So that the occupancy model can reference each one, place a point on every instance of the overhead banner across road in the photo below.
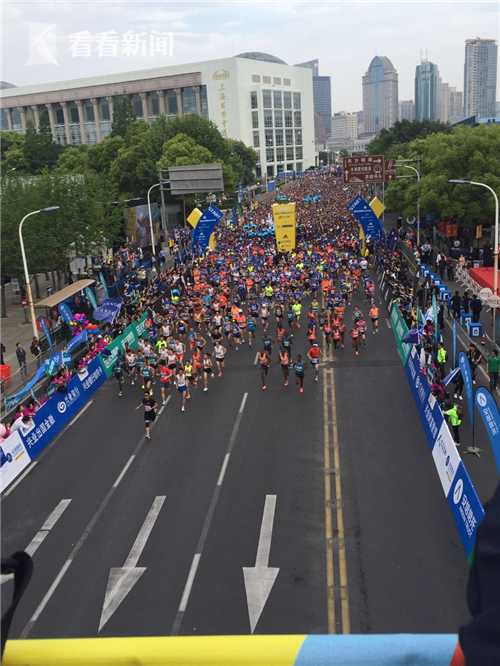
(285, 226)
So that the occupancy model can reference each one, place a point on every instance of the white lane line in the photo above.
(56, 514)
(84, 409)
(256, 358)
(42, 533)
(243, 403)
(18, 481)
(50, 592)
(144, 532)
(388, 323)
(223, 469)
(189, 582)
(124, 470)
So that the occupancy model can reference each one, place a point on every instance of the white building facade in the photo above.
(407, 110)
(480, 77)
(344, 131)
(254, 97)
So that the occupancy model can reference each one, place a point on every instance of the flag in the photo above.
(451, 376)
(413, 336)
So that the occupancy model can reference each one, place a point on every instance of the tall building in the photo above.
(427, 86)
(380, 95)
(254, 97)
(322, 92)
(407, 110)
(444, 101)
(455, 105)
(480, 77)
(344, 131)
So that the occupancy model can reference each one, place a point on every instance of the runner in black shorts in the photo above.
(149, 404)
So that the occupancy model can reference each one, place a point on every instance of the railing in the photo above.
(331, 650)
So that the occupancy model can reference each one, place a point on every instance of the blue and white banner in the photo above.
(108, 310)
(205, 227)
(466, 508)
(454, 342)
(364, 215)
(51, 418)
(216, 212)
(488, 410)
(464, 365)
(13, 459)
(65, 312)
(46, 331)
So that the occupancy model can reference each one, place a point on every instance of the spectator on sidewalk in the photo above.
(441, 358)
(21, 359)
(476, 307)
(450, 269)
(474, 356)
(493, 369)
(2, 352)
(466, 301)
(456, 304)
(36, 351)
(441, 264)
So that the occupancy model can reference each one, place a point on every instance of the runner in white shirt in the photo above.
(220, 353)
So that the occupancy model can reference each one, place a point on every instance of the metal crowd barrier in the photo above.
(305, 650)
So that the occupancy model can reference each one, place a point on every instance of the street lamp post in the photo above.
(151, 218)
(417, 172)
(50, 209)
(495, 249)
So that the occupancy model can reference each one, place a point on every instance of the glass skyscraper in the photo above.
(427, 91)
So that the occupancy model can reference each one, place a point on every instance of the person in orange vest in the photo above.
(355, 339)
(374, 313)
(314, 355)
(285, 365)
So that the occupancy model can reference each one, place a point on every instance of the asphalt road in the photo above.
(238, 482)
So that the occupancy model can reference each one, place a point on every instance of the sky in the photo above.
(67, 39)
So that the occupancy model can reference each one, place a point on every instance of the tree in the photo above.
(39, 148)
(389, 141)
(101, 155)
(242, 159)
(470, 153)
(123, 115)
(182, 150)
(203, 131)
(73, 159)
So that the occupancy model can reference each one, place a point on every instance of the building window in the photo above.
(298, 137)
(258, 171)
(280, 154)
(289, 153)
(296, 100)
(59, 115)
(255, 78)
(268, 118)
(289, 137)
(255, 119)
(278, 101)
(104, 109)
(15, 116)
(256, 140)
(298, 167)
(137, 105)
(88, 112)
(288, 118)
(172, 103)
(279, 138)
(297, 118)
(279, 168)
(267, 99)
(270, 171)
(204, 101)
(254, 100)
(269, 154)
(276, 81)
(278, 118)
(289, 167)
(287, 82)
(4, 122)
(188, 100)
(153, 104)
(287, 100)
(298, 152)
(266, 79)
(269, 138)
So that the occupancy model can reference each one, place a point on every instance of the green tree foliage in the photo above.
(242, 159)
(123, 115)
(39, 148)
(182, 150)
(464, 153)
(73, 160)
(389, 141)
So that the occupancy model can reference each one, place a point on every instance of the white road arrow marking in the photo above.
(122, 579)
(42, 533)
(259, 580)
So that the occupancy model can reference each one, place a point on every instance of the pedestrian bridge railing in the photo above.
(309, 650)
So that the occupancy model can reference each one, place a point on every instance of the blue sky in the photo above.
(343, 34)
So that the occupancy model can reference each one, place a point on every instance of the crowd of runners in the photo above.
(293, 308)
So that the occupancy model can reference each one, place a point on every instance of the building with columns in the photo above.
(254, 97)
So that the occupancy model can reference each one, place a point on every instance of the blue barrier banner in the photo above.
(108, 310)
(361, 210)
(77, 340)
(65, 312)
(51, 418)
(488, 410)
(428, 407)
(204, 229)
(454, 342)
(46, 331)
(464, 365)
(466, 508)
(216, 212)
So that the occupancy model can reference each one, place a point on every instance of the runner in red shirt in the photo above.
(314, 355)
